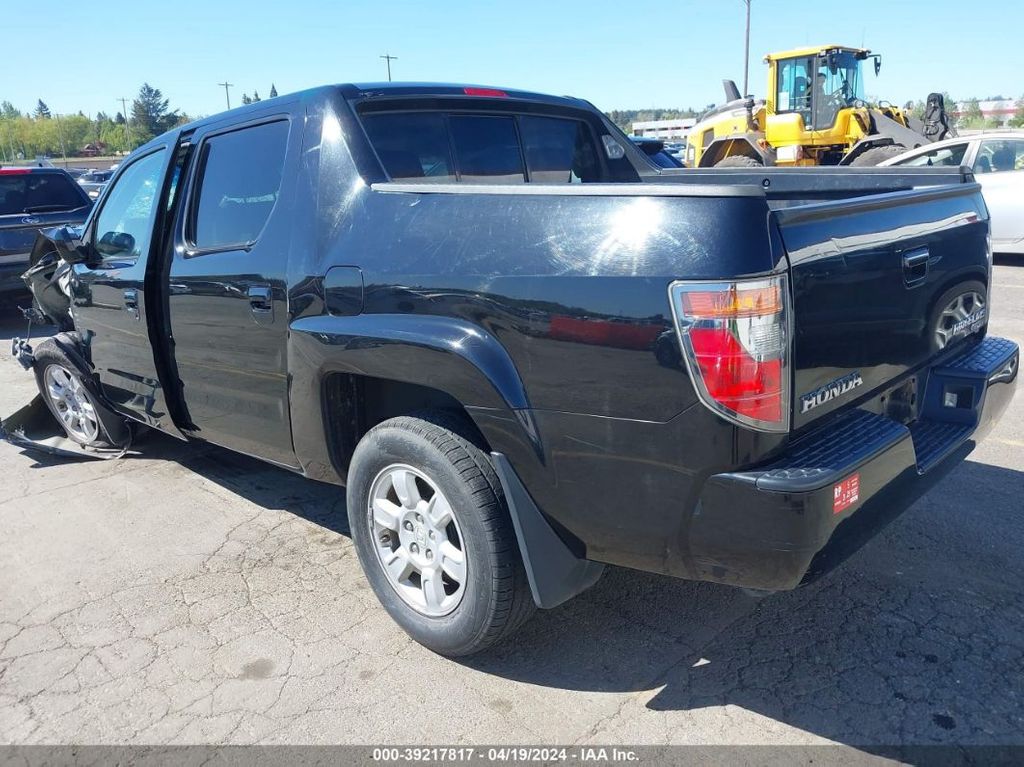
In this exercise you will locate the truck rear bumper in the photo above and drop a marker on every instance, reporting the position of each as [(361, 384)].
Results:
[(788, 522)]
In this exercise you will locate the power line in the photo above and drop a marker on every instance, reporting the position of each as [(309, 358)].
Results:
[(389, 58), (227, 95)]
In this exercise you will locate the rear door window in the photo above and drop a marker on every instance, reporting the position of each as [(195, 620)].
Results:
[(999, 156), (487, 149), (413, 147), (239, 180)]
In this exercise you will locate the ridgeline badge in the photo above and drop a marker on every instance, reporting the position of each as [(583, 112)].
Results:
[(830, 391)]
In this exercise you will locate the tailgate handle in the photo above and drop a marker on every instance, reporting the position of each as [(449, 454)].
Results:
[(915, 267)]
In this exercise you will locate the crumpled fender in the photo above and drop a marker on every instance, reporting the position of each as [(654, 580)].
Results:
[(33, 427)]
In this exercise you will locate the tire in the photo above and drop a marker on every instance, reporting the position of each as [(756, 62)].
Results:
[(879, 154), (73, 396), (453, 615), (955, 305), (739, 161)]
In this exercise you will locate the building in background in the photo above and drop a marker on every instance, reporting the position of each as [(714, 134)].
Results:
[(664, 129), (1000, 112)]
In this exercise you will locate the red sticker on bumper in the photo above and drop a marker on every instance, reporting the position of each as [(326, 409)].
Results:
[(846, 493)]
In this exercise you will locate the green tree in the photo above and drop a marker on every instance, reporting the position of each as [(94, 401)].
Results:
[(8, 112), (1017, 121), (151, 114), (256, 97), (246, 99), (273, 91), (970, 114), (42, 111)]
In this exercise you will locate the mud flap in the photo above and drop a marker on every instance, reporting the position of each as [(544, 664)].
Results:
[(34, 428)]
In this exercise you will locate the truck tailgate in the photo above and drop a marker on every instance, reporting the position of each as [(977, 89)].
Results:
[(867, 275)]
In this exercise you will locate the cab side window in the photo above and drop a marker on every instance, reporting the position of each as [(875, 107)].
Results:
[(124, 225), (239, 179)]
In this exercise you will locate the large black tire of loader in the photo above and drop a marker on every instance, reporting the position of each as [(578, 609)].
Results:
[(739, 161), (879, 154)]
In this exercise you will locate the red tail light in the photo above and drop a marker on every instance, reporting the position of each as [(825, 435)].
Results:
[(14, 171), (735, 340)]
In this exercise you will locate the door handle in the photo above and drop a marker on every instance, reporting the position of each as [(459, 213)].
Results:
[(131, 302), (260, 299)]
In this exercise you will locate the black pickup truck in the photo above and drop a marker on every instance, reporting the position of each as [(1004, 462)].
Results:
[(526, 351), (32, 199)]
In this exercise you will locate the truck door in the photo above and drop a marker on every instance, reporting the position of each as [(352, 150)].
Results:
[(227, 303), (109, 306)]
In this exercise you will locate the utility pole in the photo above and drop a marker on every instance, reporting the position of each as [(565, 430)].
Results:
[(227, 95), (60, 135), (127, 127), (746, 54), (389, 58)]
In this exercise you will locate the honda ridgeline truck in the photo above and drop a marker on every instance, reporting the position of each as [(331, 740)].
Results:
[(524, 350)]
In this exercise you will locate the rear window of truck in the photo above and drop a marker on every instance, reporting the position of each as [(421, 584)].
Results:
[(442, 147), (23, 193)]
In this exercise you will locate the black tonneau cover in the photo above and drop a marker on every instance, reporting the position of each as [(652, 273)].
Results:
[(795, 186)]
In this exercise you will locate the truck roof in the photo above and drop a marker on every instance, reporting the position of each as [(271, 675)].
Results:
[(361, 91)]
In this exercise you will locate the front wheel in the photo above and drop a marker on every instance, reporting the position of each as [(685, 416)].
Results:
[(72, 397), (433, 535)]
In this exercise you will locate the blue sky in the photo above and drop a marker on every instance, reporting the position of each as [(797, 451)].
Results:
[(618, 55)]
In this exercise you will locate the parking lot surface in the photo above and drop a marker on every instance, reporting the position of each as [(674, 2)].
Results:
[(190, 595)]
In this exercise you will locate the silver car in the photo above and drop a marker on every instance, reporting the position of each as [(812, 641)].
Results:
[(997, 160)]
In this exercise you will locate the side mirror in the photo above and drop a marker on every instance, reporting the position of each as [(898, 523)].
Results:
[(115, 244), (67, 244)]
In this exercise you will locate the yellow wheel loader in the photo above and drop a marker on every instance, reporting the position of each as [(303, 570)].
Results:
[(814, 114)]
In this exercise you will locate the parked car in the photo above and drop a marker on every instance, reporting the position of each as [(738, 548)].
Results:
[(95, 181), (655, 150), (32, 198), (997, 160), (731, 376)]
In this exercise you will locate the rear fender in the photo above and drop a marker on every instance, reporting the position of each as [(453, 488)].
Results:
[(452, 356)]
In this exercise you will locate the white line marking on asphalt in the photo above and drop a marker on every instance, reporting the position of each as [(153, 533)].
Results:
[(1010, 442)]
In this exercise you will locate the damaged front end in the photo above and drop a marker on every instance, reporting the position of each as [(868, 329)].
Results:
[(48, 278), (34, 426)]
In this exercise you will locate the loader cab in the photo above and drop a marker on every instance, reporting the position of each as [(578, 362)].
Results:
[(815, 85)]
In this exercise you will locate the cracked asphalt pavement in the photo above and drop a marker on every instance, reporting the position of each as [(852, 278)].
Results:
[(189, 595)]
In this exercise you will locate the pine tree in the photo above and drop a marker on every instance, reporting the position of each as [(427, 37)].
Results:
[(255, 96), (42, 111), (151, 113), (273, 91), (246, 99), (8, 111)]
